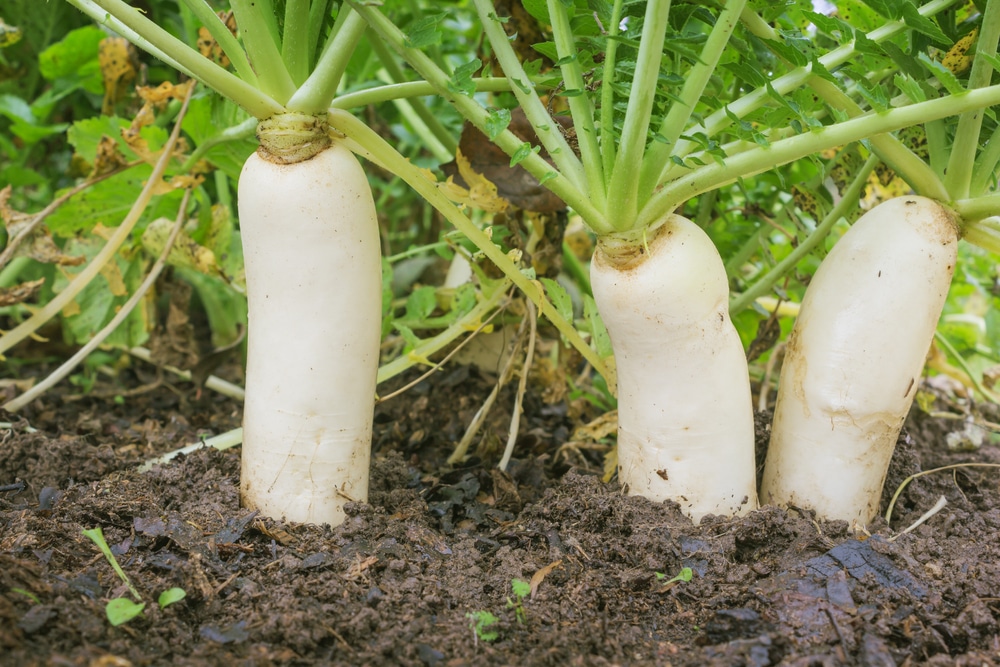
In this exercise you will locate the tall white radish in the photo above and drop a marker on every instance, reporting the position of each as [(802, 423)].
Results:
[(313, 267), (685, 416), (854, 359)]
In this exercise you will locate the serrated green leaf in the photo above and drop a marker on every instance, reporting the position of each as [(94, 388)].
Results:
[(599, 338), (461, 81), (123, 610), (412, 340), (497, 122), (559, 297), (522, 153), (170, 596), (425, 32), (913, 18), (520, 588), (910, 88), (942, 73)]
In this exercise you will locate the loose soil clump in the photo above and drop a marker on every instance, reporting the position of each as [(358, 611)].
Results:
[(423, 574)]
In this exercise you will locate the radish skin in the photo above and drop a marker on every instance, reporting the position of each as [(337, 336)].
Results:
[(312, 257), (685, 417), (854, 359)]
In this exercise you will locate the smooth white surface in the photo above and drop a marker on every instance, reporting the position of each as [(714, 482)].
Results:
[(685, 417), (854, 359), (313, 266)]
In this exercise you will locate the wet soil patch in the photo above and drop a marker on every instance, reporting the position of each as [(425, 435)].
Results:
[(410, 575)]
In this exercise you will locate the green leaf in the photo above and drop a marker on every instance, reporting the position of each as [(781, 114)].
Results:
[(913, 18), (522, 153), (942, 73), (497, 122), (559, 297), (480, 621), (75, 58), (425, 32), (170, 596), (600, 340), (521, 588), (123, 610), (421, 303), (461, 81), (910, 88)]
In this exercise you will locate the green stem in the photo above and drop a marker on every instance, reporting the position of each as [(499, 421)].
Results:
[(433, 123), (958, 176), (797, 77), (960, 360), (576, 269), (261, 44), (318, 13), (579, 103), (244, 130), (609, 146), (382, 153), (398, 91), (320, 88), (761, 159), (623, 182), (549, 132), (983, 174), (984, 233), (171, 50), (470, 109), (848, 202), (295, 45), (694, 85), (227, 41)]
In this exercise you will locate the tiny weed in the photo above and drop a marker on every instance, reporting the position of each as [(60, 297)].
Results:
[(123, 610), (521, 590), (480, 622), (684, 575)]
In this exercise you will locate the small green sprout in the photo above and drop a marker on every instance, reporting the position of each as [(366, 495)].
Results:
[(480, 622), (521, 589), (684, 575), (123, 610)]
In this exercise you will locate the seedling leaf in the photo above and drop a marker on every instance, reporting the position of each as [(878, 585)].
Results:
[(170, 596), (123, 610)]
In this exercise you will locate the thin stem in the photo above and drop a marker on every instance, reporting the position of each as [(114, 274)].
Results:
[(694, 85), (958, 175), (126, 309), (623, 186), (244, 130), (507, 141), (609, 146), (382, 153), (220, 442), (39, 218), (433, 123), (522, 385), (227, 41), (178, 54), (398, 91), (318, 13), (848, 202), (978, 207), (295, 45), (580, 107), (984, 233), (548, 131), (89, 272), (320, 88), (260, 40), (984, 173), (761, 159)]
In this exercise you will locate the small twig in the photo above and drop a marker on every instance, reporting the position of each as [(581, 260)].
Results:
[(765, 382), (437, 366), (899, 490), (938, 506), (522, 385)]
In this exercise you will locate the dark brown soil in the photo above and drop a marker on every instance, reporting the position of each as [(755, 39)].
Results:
[(395, 584)]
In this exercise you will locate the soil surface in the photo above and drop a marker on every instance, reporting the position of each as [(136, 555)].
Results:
[(406, 578)]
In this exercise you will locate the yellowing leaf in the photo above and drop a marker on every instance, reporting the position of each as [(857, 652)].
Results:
[(116, 283), (186, 251), (480, 194), (118, 62), (956, 59), (39, 244)]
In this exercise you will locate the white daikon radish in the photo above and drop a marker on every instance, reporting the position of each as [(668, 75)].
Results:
[(311, 246), (854, 359), (685, 417)]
